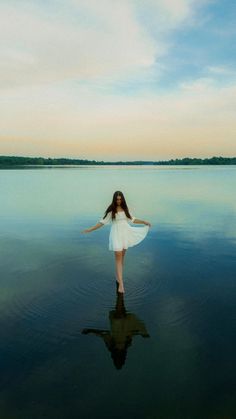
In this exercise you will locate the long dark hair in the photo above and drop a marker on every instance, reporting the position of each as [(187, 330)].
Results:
[(113, 205)]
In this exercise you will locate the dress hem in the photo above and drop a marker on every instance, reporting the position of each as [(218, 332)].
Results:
[(146, 229)]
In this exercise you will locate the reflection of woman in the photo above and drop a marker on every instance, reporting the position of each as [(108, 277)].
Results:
[(123, 327), (122, 235)]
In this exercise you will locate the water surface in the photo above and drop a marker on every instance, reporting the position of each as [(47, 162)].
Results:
[(70, 346)]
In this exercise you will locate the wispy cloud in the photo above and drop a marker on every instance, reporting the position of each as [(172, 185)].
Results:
[(221, 70)]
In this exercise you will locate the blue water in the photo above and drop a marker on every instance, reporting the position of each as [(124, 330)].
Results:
[(70, 346)]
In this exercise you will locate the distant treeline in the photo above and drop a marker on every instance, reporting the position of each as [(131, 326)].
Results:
[(42, 161)]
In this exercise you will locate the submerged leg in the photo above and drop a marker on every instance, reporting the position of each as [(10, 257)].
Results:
[(119, 269)]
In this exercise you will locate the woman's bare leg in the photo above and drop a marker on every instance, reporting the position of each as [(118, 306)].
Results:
[(119, 269), (123, 255)]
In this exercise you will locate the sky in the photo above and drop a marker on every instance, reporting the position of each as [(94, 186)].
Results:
[(118, 80)]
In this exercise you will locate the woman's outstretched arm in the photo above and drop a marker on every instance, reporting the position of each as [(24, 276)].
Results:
[(102, 222), (88, 230), (137, 221)]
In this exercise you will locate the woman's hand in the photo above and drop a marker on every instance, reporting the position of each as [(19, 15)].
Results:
[(147, 223), (85, 231)]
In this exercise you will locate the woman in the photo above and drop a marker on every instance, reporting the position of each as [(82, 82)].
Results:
[(122, 235)]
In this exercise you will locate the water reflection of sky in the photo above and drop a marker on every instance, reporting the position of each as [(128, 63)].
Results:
[(197, 200)]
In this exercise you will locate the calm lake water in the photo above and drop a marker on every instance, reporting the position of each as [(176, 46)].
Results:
[(70, 347)]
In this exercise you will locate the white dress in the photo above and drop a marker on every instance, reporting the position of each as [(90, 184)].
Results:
[(122, 235)]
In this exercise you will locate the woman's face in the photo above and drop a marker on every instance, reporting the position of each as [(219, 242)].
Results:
[(118, 200)]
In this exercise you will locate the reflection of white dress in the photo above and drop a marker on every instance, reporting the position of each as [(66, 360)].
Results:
[(122, 235)]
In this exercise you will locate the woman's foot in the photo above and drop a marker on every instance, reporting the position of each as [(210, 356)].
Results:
[(121, 289)]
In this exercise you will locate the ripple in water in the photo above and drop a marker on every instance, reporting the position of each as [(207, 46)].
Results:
[(46, 313)]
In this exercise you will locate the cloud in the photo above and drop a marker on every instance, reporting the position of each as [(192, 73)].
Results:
[(39, 48), (221, 70), (201, 84), (168, 15), (174, 12), (216, 77), (85, 40)]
